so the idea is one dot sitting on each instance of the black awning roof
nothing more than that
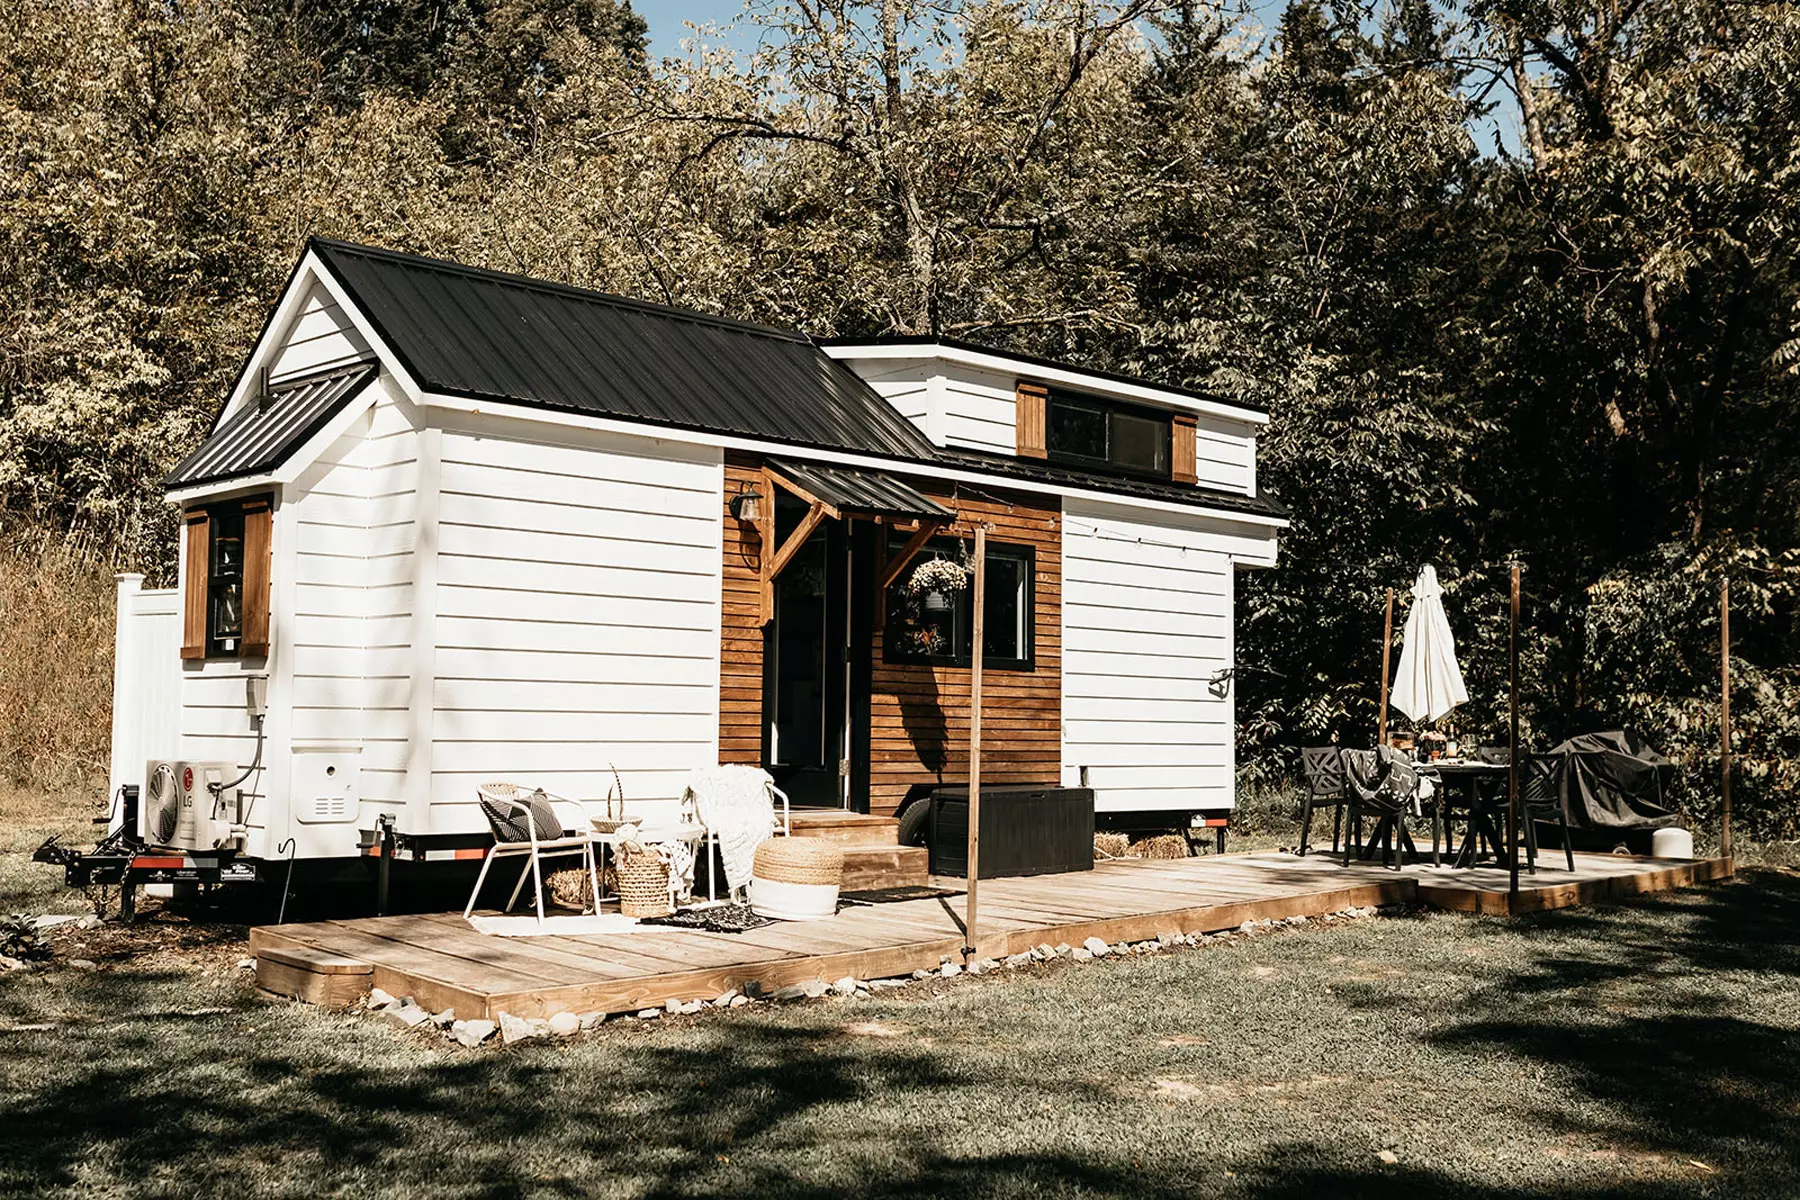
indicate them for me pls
(865, 493)
(477, 334)
(262, 434)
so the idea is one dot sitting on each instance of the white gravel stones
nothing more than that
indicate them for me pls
(672, 1006)
(739, 1001)
(407, 1016)
(845, 986)
(792, 991)
(922, 973)
(246, 964)
(950, 970)
(381, 999)
(565, 1024)
(691, 1007)
(54, 921)
(1062, 949)
(1097, 947)
(1081, 954)
(591, 1021)
(445, 1019)
(1021, 959)
(472, 1033)
(514, 1029)
(725, 997)
(649, 1014)
(814, 988)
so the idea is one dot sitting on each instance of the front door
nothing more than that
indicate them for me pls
(807, 686)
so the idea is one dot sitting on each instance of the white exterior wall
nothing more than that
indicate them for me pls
(319, 337)
(146, 717)
(577, 604)
(342, 631)
(1147, 625)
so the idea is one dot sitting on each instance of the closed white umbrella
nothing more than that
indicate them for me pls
(1428, 683)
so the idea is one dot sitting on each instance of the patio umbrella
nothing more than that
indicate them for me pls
(1428, 683)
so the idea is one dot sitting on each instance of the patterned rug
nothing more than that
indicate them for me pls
(723, 918)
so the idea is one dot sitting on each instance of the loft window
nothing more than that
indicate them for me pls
(225, 580)
(939, 627)
(1094, 433)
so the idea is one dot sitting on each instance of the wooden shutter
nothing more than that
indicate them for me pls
(193, 588)
(258, 520)
(1029, 402)
(1184, 451)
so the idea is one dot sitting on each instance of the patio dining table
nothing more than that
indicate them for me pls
(1464, 777)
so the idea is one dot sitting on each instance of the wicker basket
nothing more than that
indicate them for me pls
(802, 860)
(643, 884)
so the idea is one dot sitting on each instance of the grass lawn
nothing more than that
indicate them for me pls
(1645, 1050)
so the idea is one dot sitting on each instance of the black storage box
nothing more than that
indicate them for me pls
(1024, 831)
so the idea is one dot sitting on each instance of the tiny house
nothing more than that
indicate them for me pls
(453, 526)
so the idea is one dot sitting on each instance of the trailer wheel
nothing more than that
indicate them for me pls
(915, 816)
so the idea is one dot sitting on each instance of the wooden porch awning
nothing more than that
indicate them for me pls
(860, 493)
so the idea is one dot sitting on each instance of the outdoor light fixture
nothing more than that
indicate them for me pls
(746, 506)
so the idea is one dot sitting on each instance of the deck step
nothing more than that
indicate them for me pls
(869, 867)
(846, 828)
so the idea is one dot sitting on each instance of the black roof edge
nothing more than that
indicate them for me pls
(1037, 361)
(1002, 467)
(310, 432)
(512, 279)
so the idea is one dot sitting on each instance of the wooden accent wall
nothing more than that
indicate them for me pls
(1184, 450)
(919, 714)
(1030, 400)
(741, 635)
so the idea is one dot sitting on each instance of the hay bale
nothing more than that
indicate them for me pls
(569, 888)
(1111, 845)
(1163, 845)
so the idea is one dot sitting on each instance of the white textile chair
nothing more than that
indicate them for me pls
(736, 807)
(537, 825)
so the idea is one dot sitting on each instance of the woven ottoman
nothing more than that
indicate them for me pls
(796, 879)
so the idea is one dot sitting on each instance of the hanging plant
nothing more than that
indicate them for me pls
(937, 575)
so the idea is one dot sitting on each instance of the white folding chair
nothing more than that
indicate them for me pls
(537, 825)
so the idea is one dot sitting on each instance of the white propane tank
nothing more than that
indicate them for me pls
(1672, 843)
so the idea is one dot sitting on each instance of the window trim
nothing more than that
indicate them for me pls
(1107, 406)
(1021, 551)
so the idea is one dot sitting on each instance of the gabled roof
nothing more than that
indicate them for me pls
(477, 334)
(260, 435)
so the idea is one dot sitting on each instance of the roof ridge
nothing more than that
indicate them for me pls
(567, 290)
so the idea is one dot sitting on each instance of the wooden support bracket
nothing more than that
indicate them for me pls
(774, 564)
(926, 531)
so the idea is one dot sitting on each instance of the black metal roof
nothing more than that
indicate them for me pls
(1264, 505)
(477, 334)
(1034, 360)
(856, 491)
(259, 436)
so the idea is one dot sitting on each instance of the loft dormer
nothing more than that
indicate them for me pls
(970, 398)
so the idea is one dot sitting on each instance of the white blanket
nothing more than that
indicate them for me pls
(735, 804)
(527, 926)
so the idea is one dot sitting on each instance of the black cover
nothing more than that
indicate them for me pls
(1614, 780)
(1024, 831)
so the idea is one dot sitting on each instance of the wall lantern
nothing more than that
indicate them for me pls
(746, 506)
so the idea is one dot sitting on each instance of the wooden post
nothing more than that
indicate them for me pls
(1512, 752)
(1725, 718)
(980, 631)
(1387, 646)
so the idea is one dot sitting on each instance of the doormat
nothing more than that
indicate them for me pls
(723, 918)
(894, 895)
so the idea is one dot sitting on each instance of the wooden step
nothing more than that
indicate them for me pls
(846, 828)
(870, 867)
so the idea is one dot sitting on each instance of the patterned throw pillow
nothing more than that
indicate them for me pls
(510, 822)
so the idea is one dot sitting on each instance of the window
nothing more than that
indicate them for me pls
(225, 581)
(937, 625)
(1090, 432)
(225, 610)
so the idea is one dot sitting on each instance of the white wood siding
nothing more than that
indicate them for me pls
(147, 688)
(913, 388)
(577, 618)
(320, 336)
(1147, 623)
(348, 622)
(1226, 455)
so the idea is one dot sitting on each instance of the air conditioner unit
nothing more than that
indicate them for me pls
(180, 810)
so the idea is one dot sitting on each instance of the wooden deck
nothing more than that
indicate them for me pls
(443, 963)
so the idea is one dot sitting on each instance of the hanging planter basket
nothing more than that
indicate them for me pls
(934, 582)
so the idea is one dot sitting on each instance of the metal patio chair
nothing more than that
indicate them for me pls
(534, 825)
(1324, 769)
